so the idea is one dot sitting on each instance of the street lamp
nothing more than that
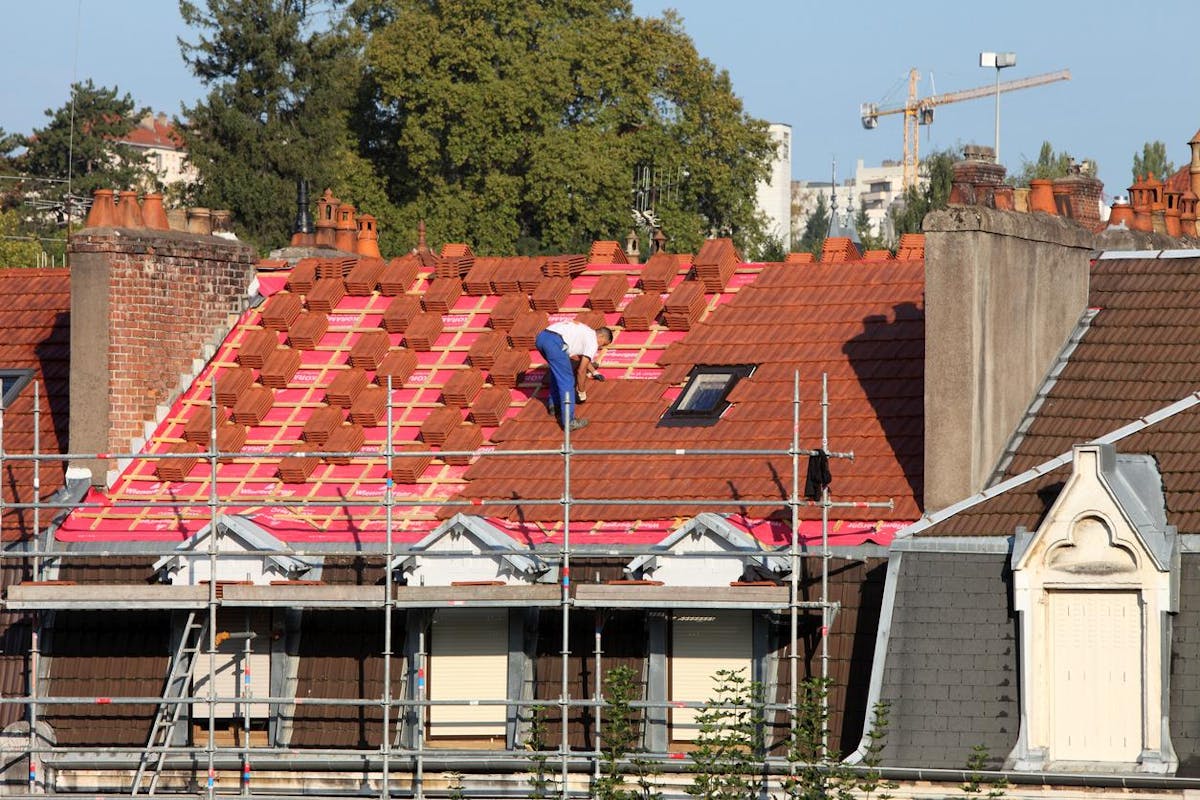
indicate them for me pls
(999, 61)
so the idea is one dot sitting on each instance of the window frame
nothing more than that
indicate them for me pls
(23, 376)
(679, 416)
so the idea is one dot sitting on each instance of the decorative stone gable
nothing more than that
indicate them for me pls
(1093, 587)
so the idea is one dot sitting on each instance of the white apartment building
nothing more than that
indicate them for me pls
(774, 195)
(879, 187)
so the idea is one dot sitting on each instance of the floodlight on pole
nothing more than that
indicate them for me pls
(998, 61)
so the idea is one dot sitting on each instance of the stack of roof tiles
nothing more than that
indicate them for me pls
(398, 276)
(322, 422)
(399, 313)
(335, 267)
(253, 405)
(369, 350)
(607, 253)
(303, 275)
(456, 261)
(839, 248)
(306, 332)
(364, 277)
(231, 383)
(281, 310)
(442, 295)
(257, 347)
(423, 331)
(659, 272)
(607, 294)
(298, 468)
(280, 367)
(345, 388)
(551, 293)
(525, 329)
(370, 407)
(398, 365)
(410, 468)
(564, 266)
(715, 263)
(684, 306)
(508, 367)
(463, 438)
(641, 312)
(479, 280)
(483, 351)
(461, 389)
(506, 311)
(438, 425)
(344, 439)
(177, 469)
(326, 294)
(490, 404)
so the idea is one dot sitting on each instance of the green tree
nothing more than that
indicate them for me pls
(502, 121)
(80, 143)
(1152, 161)
(17, 247)
(1049, 165)
(862, 224)
(283, 76)
(730, 744)
(932, 194)
(816, 228)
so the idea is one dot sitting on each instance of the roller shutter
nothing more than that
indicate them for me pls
(702, 643)
(235, 675)
(468, 661)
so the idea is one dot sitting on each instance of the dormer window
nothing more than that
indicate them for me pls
(705, 395)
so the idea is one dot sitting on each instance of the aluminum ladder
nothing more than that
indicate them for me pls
(169, 713)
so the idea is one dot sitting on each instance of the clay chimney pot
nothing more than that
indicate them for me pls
(153, 214)
(368, 237)
(1041, 196)
(129, 214)
(103, 213)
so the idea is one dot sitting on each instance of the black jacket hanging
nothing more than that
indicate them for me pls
(818, 475)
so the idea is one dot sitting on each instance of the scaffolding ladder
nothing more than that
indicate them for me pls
(170, 709)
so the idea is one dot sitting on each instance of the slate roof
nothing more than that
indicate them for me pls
(35, 309)
(303, 372)
(1139, 354)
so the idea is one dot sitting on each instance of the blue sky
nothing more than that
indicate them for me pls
(804, 63)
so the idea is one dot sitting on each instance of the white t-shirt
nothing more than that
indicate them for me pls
(580, 339)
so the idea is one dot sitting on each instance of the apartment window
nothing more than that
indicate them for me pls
(705, 395)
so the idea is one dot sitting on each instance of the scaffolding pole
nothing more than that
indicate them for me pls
(420, 702)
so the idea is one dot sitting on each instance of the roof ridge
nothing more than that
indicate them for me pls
(1047, 384)
(1113, 436)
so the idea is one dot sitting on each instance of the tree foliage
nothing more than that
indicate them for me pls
(866, 234)
(909, 214)
(1152, 161)
(283, 75)
(816, 228)
(17, 248)
(730, 745)
(516, 119)
(1049, 165)
(80, 142)
(498, 121)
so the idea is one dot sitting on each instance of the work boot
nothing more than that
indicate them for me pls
(576, 424)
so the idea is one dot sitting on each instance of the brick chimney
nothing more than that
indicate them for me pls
(1194, 167)
(979, 180)
(144, 304)
(1082, 193)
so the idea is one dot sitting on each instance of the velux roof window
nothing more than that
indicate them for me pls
(12, 382)
(704, 396)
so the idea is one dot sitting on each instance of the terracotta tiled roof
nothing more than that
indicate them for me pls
(459, 385)
(1139, 354)
(35, 334)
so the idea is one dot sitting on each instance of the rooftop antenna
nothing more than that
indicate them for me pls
(833, 195)
(652, 185)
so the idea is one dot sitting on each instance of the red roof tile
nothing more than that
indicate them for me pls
(861, 323)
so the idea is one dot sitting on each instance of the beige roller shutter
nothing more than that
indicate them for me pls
(703, 642)
(1096, 688)
(468, 660)
(232, 667)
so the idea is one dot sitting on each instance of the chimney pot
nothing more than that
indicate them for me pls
(129, 214)
(368, 237)
(1041, 196)
(153, 214)
(103, 213)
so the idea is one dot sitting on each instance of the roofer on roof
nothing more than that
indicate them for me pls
(560, 344)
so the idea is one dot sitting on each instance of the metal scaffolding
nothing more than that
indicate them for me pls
(202, 629)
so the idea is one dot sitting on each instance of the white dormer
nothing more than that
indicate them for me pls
(1093, 587)
(245, 554)
(684, 560)
(475, 552)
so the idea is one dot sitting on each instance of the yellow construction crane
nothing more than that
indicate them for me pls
(919, 110)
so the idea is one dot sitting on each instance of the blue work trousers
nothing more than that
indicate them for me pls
(562, 375)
